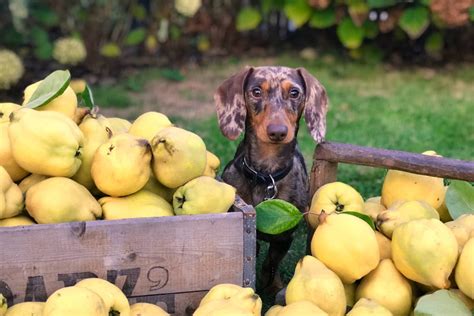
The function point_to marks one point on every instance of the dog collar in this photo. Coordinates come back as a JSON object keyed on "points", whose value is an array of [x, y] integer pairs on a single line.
{"points": [[268, 179]]}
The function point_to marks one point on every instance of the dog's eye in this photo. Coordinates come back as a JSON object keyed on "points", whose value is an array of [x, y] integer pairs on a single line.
{"points": [[294, 93], [256, 92]]}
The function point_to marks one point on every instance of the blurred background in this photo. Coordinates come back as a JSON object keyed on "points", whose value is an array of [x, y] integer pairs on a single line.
{"points": [[399, 74], [107, 39]]}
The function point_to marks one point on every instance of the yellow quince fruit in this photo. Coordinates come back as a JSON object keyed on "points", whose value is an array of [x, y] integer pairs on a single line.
{"points": [[140, 204], [116, 303], [385, 246], [178, 156], [119, 125], [26, 309], [368, 307], [66, 103], [11, 198], [232, 296], [335, 196], [3, 305], [401, 212], [345, 244], [78, 85], [96, 130], [79, 114], [300, 308], [222, 308], [121, 166], [74, 300], [203, 195], [30, 181], [149, 124], [19, 220], [425, 251], [46, 143], [146, 309], [154, 186], [6, 157], [388, 287], [462, 228], [212, 165], [401, 185], [464, 272], [59, 200], [373, 207], [314, 282]]}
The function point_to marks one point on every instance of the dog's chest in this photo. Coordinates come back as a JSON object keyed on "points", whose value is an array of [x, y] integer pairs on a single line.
{"points": [[293, 188]]}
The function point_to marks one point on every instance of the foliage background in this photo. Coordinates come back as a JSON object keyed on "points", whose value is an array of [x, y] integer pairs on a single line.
{"points": [[134, 33]]}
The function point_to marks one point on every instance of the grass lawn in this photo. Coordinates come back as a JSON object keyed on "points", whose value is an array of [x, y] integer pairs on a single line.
{"points": [[371, 105]]}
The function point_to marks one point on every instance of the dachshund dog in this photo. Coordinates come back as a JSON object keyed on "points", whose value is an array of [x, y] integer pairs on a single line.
{"points": [[268, 102]]}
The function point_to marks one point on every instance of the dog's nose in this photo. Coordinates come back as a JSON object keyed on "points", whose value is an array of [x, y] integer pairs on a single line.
{"points": [[277, 132]]}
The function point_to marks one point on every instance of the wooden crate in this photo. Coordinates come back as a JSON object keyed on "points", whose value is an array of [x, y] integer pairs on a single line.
{"points": [[327, 156], [168, 261]]}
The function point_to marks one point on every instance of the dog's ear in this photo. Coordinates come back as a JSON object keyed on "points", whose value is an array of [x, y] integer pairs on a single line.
{"points": [[316, 105], [230, 104]]}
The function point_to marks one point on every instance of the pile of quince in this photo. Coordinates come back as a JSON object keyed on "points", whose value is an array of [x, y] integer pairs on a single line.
{"points": [[60, 163], [397, 254], [88, 297]]}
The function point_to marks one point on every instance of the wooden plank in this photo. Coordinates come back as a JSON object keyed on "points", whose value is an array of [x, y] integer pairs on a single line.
{"points": [[322, 172], [142, 256], [393, 159], [250, 242]]}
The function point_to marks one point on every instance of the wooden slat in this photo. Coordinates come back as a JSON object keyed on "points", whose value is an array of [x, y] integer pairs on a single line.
{"points": [[393, 159], [142, 256], [322, 172]]}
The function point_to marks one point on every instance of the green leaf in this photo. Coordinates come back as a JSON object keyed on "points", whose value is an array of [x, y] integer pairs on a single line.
{"points": [[460, 198], [380, 3], [87, 97], [371, 29], [350, 35], [298, 11], [138, 12], [414, 21], [248, 19], [471, 13], [51, 87], [110, 50], [441, 303], [135, 37], [434, 44], [38, 36], [172, 74], [425, 2], [364, 217], [267, 6], [45, 16], [323, 19], [277, 216], [44, 51]]}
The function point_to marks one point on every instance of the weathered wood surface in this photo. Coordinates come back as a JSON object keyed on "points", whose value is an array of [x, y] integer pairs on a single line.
{"points": [[250, 241], [152, 256], [393, 159], [322, 172]]}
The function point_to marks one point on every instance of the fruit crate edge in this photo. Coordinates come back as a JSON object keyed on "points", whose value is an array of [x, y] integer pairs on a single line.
{"points": [[37, 260], [328, 155]]}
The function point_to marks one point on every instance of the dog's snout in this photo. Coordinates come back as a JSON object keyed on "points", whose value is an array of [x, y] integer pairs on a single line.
{"points": [[277, 132]]}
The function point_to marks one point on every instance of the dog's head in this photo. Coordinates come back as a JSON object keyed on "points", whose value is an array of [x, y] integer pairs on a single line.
{"points": [[272, 99]]}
